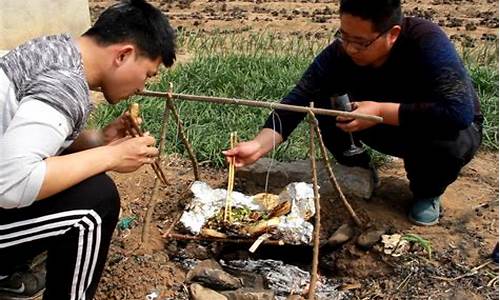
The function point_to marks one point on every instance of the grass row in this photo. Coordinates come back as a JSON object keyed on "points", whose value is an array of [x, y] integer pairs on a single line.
{"points": [[259, 69]]}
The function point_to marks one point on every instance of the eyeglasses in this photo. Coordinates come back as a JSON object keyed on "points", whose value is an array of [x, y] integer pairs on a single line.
{"points": [[358, 46]]}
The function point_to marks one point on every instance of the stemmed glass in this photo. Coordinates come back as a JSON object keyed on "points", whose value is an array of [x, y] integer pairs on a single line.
{"points": [[343, 103]]}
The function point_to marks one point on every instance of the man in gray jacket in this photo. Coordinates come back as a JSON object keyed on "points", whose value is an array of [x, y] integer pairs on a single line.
{"points": [[64, 203]]}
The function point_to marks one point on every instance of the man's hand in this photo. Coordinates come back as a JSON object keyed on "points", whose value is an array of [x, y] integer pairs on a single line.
{"points": [[388, 111], [118, 128], [245, 153], [364, 107], [130, 153]]}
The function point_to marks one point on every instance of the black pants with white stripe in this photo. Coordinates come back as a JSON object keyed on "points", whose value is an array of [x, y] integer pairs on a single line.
{"points": [[74, 227]]}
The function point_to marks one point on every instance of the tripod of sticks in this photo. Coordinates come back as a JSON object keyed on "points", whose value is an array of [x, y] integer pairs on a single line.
{"points": [[314, 132]]}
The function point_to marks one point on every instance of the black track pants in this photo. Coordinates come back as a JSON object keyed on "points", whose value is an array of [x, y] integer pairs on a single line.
{"points": [[74, 227]]}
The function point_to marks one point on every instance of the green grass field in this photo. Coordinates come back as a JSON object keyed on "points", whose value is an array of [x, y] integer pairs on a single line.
{"points": [[262, 67]]}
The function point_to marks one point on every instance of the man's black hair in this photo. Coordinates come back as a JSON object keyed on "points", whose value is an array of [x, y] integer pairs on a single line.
{"points": [[139, 23], [382, 13]]}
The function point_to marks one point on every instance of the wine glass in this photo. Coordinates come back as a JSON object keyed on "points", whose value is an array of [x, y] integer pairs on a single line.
{"points": [[343, 103]]}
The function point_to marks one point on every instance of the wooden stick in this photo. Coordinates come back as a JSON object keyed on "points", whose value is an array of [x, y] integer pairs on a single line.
{"points": [[155, 165], [331, 175], [163, 130], [183, 237], [270, 105], [317, 223], [182, 132], [171, 227], [156, 186], [149, 212]]}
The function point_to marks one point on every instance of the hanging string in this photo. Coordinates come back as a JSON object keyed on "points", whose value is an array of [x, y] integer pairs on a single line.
{"points": [[274, 114]]}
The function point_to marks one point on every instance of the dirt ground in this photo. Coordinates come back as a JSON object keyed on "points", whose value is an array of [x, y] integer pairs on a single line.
{"points": [[464, 238], [465, 20]]}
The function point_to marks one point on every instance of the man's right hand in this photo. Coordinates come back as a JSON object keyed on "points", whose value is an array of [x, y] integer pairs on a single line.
{"points": [[245, 153], [130, 153]]}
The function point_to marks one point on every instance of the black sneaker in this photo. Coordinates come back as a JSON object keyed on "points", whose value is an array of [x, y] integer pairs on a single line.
{"points": [[24, 285]]}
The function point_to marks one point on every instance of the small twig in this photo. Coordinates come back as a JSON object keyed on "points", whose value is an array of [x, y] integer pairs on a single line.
{"points": [[317, 224], [472, 272], [171, 227], [182, 132], [184, 199], [493, 281], [489, 203], [331, 175], [259, 241], [405, 281]]}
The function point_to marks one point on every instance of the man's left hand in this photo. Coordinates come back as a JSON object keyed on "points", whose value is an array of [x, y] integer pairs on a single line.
{"points": [[118, 128]]}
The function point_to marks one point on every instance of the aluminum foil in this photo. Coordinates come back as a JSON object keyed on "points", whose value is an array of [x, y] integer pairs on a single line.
{"points": [[302, 196], [207, 202], [293, 228], [285, 279]]}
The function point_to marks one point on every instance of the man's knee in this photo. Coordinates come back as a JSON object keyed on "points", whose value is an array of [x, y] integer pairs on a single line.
{"points": [[108, 193], [100, 193]]}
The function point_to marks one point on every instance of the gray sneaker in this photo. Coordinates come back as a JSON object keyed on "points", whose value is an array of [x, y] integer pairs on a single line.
{"points": [[24, 285], [426, 211]]}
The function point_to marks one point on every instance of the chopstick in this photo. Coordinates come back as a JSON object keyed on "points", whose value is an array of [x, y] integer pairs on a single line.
{"points": [[230, 181]]}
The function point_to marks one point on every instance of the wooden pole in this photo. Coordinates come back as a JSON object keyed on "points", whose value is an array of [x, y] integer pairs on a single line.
{"points": [[331, 175], [156, 186], [317, 223], [184, 138], [270, 105]]}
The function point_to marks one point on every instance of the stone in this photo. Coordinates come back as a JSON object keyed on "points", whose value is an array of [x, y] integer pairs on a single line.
{"points": [[195, 250], [250, 280], [295, 297], [249, 294], [341, 235], [369, 238], [354, 181], [211, 274], [199, 292]]}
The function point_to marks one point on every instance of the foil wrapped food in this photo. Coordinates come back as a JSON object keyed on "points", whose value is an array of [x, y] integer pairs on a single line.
{"points": [[292, 228]]}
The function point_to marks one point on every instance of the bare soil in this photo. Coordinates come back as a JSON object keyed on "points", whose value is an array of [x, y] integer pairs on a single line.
{"points": [[464, 238], [468, 21]]}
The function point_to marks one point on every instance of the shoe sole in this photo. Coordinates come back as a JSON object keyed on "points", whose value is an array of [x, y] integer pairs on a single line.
{"points": [[422, 223], [441, 213]]}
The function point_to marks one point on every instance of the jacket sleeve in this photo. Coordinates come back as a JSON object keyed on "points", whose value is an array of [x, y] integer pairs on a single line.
{"points": [[37, 131], [320, 80]]}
